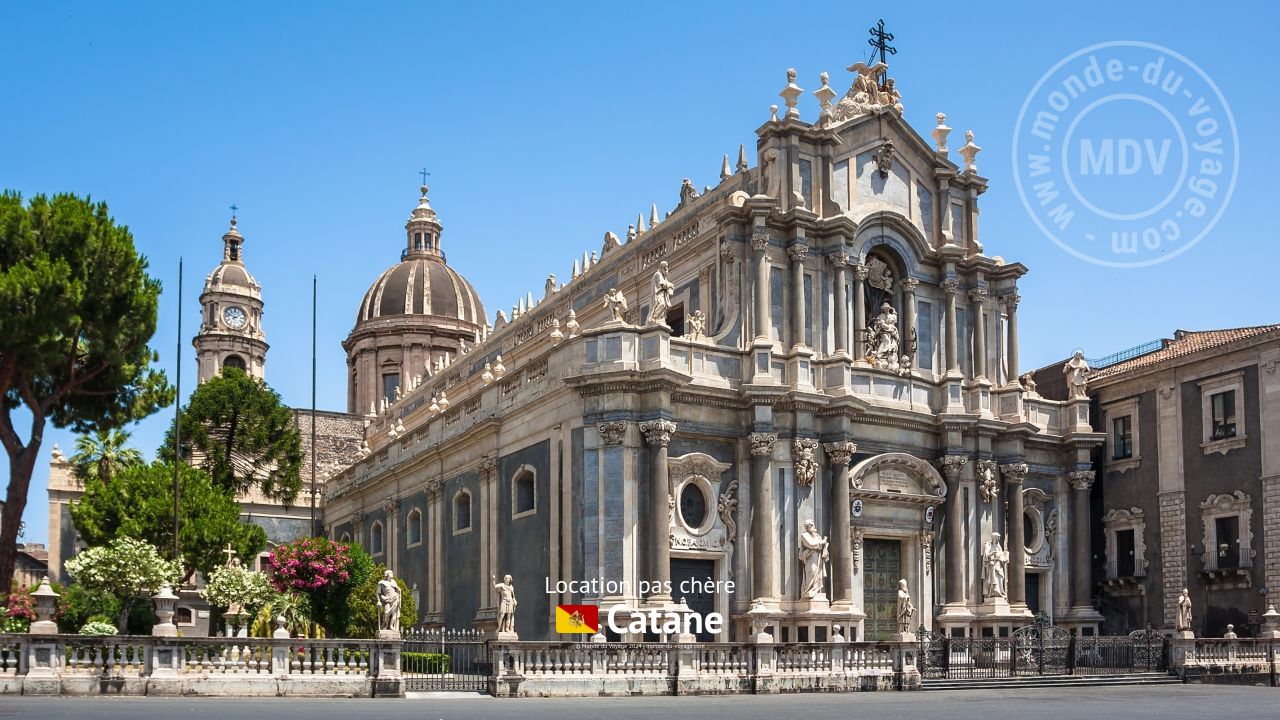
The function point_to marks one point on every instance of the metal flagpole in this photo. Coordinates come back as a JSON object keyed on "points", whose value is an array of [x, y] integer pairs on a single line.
{"points": [[177, 418], [313, 406]]}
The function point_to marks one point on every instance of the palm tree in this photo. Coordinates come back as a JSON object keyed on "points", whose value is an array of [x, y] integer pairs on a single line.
{"points": [[101, 454]]}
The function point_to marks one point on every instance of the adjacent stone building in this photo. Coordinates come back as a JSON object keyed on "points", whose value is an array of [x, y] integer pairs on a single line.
{"points": [[819, 337], [1190, 475]]}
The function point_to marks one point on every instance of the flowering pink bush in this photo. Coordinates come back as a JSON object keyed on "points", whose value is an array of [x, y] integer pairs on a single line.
{"points": [[326, 572], [20, 604], [310, 564]]}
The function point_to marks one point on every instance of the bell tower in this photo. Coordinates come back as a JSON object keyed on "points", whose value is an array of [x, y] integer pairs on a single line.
{"points": [[231, 315]]}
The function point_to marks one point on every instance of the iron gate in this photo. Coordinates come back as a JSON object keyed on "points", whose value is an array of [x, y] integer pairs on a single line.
{"points": [[1040, 649], [443, 660]]}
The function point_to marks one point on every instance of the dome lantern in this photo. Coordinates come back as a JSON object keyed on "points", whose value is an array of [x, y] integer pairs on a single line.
{"points": [[423, 230]]}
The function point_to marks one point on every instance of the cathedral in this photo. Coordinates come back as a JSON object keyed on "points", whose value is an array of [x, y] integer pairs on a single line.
{"points": [[779, 400], [776, 401]]}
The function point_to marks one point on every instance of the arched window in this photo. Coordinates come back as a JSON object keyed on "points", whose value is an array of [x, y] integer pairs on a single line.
{"points": [[461, 512], [183, 616], [345, 539], [234, 361], [375, 538], [524, 492], [413, 527]]}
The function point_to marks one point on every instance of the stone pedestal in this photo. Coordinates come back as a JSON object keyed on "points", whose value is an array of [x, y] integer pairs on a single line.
{"points": [[387, 635], [507, 637]]}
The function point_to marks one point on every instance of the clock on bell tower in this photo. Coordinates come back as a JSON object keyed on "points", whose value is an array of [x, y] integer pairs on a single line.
{"points": [[231, 315]]}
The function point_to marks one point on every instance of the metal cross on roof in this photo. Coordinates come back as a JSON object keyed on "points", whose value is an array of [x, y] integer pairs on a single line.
{"points": [[423, 172], [879, 42], [233, 211]]}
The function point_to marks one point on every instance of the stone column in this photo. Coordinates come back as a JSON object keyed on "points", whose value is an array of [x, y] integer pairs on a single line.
{"points": [[977, 296], [909, 286], [1081, 565], [953, 467], [1013, 474], [760, 241], [763, 543], [796, 252], [840, 260], [859, 312], [390, 537], [1011, 311], [951, 287], [840, 453], [657, 433]]}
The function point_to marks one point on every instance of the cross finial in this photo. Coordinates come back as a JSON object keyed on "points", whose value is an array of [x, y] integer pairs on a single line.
{"points": [[423, 172], [233, 211], [879, 42], [230, 553]]}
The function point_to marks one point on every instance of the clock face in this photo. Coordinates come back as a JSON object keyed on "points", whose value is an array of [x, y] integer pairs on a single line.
{"points": [[234, 317]]}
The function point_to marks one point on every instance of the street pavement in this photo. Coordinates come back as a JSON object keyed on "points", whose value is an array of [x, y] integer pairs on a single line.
{"points": [[1167, 702]]}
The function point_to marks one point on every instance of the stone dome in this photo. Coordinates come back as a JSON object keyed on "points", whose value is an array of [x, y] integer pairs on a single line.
{"points": [[232, 274], [422, 285]]}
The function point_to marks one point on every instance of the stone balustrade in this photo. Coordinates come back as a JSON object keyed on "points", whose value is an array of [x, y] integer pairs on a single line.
{"points": [[1227, 659], [145, 665], [552, 669]]}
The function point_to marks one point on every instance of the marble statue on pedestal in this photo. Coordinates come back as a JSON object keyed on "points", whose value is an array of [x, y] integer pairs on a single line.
{"points": [[1184, 611], [995, 561], [663, 290], [506, 605], [697, 325], [1077, 372], [906, 608], [814, 555], [389, 600]]}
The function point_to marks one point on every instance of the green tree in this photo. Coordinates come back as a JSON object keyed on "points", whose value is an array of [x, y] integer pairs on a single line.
{"points": [[138, 504], [242, 435], [99, 455], [364, 606], [127, 568], [326, 573], [77, 310]]}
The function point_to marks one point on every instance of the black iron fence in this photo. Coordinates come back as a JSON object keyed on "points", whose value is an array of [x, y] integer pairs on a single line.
{"points": [[445, 660], [1041, 650]]}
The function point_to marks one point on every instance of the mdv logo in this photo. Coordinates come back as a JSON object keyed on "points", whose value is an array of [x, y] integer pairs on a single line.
{"points": [[1124, 156]]}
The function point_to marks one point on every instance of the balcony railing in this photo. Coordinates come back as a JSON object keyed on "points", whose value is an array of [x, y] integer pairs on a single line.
{"points": [[1132, 568], [1226, 558]]}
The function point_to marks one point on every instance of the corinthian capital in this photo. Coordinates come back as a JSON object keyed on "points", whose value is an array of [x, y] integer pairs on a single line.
{"points": [[860, 272], [839, 259], [797, 251], [950, 286], [909, 284], [488, 469], [1080, 479], [952, 465], [1014, 472], [762, 443], [657, 432], [977, 295], [1011, 302], [840, 452], [760, 238]]}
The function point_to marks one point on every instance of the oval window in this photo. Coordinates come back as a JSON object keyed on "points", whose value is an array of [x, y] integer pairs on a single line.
{"points": [[693, 506]]}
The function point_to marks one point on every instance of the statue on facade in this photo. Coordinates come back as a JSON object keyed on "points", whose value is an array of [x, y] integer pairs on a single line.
{"points": [[697, 324], [506, 604], [906, 608], [989, 487], [1184, 611], [864, 96], [1077, 372], [663, 290], [389, 600], [995, 560], [1028, 382], [616, 302], [814, 554], [883, 348]]}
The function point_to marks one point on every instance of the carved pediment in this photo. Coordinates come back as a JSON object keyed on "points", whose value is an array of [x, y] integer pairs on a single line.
{"points": [[899, 474]]}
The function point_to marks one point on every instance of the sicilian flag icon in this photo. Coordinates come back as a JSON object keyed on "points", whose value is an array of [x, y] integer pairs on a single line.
{"points": [[577, 619]]}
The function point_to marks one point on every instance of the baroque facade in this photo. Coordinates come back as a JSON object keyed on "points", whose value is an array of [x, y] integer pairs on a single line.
{"points": [[1191, 480], [795, 389]]}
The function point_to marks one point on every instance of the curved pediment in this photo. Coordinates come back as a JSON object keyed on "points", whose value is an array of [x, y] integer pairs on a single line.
{"points": [[898, 473]]}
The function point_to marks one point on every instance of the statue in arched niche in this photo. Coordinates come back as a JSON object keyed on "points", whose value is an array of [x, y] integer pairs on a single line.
{"points": [[882, 351]]}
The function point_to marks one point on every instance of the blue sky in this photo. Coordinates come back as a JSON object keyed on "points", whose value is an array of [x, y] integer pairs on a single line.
{"points": [[544, 126]]}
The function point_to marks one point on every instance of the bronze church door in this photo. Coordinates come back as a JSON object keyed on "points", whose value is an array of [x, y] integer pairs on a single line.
{"points": [[882, 561]]}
